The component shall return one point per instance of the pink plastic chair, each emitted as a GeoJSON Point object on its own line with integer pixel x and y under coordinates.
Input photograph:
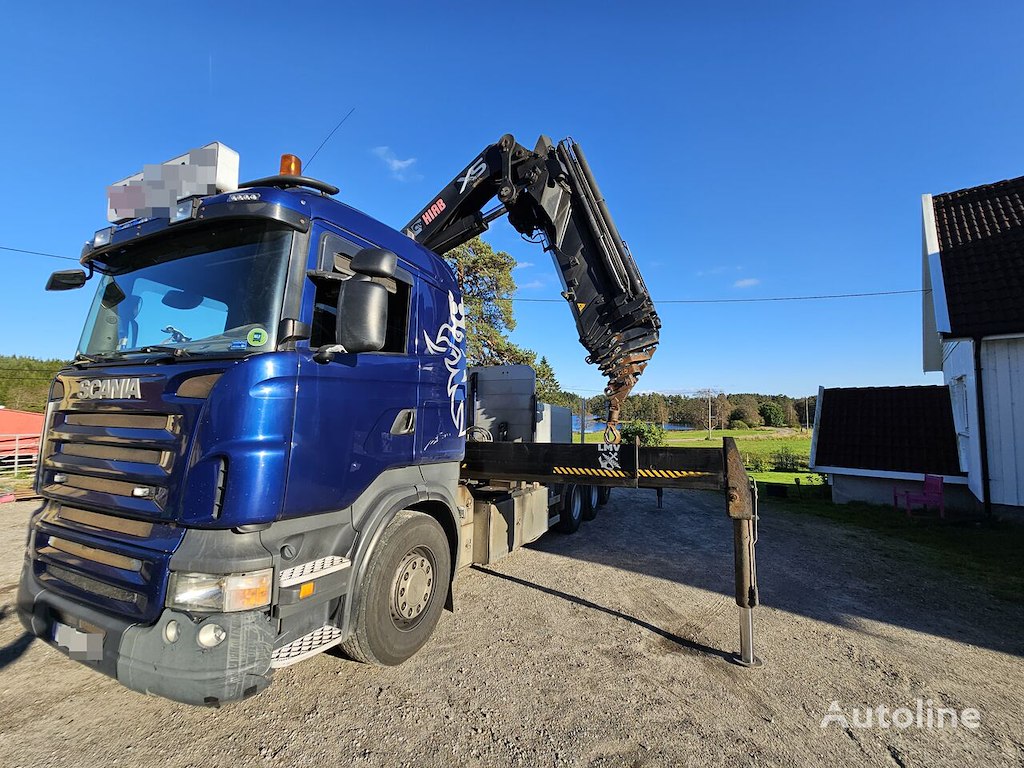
{"type": "Point", "coordinates": [930, 495]}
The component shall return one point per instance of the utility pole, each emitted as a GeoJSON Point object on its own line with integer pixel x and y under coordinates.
{"type": "Point", "coordinates": [583, 419]}
{"type": "Point", "coordinates": [709, 393]}
{"type": "Point", "coordinates": [807, 419]}
{"type": "Point", "coordinates": [710, 425]}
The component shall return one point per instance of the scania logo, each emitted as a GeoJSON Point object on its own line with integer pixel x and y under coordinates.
{"type": "Point", "coordinates": [110, 389]}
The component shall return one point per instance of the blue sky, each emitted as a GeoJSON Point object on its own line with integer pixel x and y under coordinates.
{"type": "Point", "coordinates": [754, 150]}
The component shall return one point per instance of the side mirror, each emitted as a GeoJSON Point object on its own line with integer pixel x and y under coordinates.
{"type": "Point", "coordinates": [374, 262]}
{"type": "Point", "coordinates": [66, 280]}
{"type": "Point", "coordinates": [362, 321]}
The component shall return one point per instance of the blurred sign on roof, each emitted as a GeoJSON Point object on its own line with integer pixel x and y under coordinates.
{"type": "Point", "coordinates": [156, 191]}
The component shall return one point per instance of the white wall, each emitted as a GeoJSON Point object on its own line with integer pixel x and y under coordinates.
{"type": "Point", "coordinates": [1002, 373]}
{"type": "Point", "coordinates": [1002, 370]}
{"type": "Point", "coordinates": [958, 373]}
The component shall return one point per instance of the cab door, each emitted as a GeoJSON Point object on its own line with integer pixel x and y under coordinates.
{"type": "Point", "coordinates": [355, 416]}
{"type": "Point", "coordinates": [441, 429]}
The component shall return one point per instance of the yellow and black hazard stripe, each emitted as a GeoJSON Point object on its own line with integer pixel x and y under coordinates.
{"type": "Point", "coordinates": [665, 474]}
{"type": "Point", "coordinates": [671, 474]}
{"type": "Point", "coordinates": [590, 472]}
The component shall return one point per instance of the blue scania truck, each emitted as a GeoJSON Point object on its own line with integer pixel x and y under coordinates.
{"type": "Point", "coordinates": [260, 452]}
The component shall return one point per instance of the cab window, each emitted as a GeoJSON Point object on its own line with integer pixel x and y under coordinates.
{"type": "Point", "coordinates": [336, 256]}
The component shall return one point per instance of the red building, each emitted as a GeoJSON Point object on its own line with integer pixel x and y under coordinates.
{"type": "Point", "coordinates": [19, 431]}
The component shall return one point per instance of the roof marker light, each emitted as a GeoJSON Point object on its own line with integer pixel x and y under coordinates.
{"type": "Point", "coordinates": [291, 165]}
{"type": "Point", "coordinates": [184, 210]}
{"type": "Point", "coordinates": [102, 237]}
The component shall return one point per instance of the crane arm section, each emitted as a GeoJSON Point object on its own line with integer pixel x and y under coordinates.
{"type": "Point", "coordinates": [550, 191]}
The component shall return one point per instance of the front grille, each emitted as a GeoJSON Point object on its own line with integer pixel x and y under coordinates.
{"type": "Point", "coordinates": [99, 521]}
{"type": "Point", "coordinates": [107, 533]}
{"type": "Point", "coordinates": [114, 453]}
{"type": "Point", "coordinates": [85, 552]}
{"type": "Point", "coordinates": [118, 420]}
{"type": "Point", "coordinates": [117, 460]}
{"type": "Point", "coordinates": [90, 585]}
{"type": "Point", "coordinates": [117, 565]}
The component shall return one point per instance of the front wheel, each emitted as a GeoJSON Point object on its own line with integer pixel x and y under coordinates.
{"type": "Point", "coordinates": [400, 599]}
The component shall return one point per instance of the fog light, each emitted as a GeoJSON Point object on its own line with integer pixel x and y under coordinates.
{"type": "Point", "coordinates": [60, 477]}
{"type": "Point", "coordinates": [142, 492]}
{"type": "Point", "coordinates": [172, 631]}
{"type": "Point", "coordinates": [211, 635]}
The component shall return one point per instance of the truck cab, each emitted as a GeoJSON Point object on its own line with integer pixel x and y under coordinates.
{"type": "Point", "coordinates": [267, 378]}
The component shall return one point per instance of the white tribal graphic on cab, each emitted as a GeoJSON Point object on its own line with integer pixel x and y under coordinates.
{"type": "Point", "coordinates": [448, 342]}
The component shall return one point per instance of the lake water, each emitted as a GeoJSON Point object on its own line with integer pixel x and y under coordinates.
{"type": "Point", "coordinates": [599, 426]}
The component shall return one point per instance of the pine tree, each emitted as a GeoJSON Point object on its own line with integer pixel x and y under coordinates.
{"type": "Point", "coordinates": [485, 276]}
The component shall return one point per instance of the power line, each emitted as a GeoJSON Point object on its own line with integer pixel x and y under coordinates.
{"type": "Point", "coordinates": [37, 253]}
{"type": "Point", "coordinates": [523, 299]}
{"type": "Point", "coordinates": [740, 301]}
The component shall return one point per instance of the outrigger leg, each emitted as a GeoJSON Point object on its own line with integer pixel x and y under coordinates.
{"type": "Point", "coordinates": [741, 506]}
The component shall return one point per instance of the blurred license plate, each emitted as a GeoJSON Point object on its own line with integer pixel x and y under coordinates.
{"type": "Point", "coordinates": [84, 646]}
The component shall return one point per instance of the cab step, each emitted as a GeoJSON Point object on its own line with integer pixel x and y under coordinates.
{"type": "Point", "coordinates": [314, 569]}
{"type": "Point", "coordinates": [317, 641]}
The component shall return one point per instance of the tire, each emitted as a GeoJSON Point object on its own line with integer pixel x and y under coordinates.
{"type": "Point", "coordinates": [387, 627]}
{"type": "Point", "coordinates": [572, 509]}
{"type": "Point", "coordinates": [591, 501]}
{"type": "Point", "coordinates": [604, 493]}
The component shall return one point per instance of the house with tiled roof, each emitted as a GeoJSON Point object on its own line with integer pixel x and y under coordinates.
{"type": "Point", "coordinates": [973, 329]}
{"type": "Point", "coordinates": [875, 443]}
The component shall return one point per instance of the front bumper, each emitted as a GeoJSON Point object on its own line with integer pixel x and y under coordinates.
{"type": "Point", "coordinates": [140, 658]}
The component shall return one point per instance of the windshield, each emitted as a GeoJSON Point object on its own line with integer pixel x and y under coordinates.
{"type": "Point", "coordinates": [216, 289]}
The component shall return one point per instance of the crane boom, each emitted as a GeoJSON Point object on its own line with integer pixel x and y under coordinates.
{"type": "Point", "coordinates": [551, 191]}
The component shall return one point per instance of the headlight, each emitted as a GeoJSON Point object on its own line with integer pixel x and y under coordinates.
{"type": "Point", "coordinates": [221, 593]}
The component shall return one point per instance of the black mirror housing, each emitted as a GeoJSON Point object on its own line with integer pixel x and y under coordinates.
{"type": "Point", "coordinates": [362, 322]}
{"type": "Point", "coordinates": [181, 300]}
{"type": "Point", "coordinates": [66, 280]}
{"type": "Point", "coordinates": [374, 262]}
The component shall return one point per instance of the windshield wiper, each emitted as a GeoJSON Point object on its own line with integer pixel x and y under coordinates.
{"type": "Point", "coordinates": [81, 357]}
{"type": "Point", "coordinates": [175, 351]}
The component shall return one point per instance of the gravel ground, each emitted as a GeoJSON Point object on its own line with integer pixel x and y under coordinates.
{"type": "Point", "coordinates": [606, 648]}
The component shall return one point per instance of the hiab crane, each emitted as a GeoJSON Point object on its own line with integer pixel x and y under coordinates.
{"type": "Point", "coordinates": [260, 450]}
{"type": "Point", "coordinates": [550, 191]}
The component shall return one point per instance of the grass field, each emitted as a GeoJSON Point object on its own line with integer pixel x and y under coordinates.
{"type": "Point", "coordinates": [761, 443]}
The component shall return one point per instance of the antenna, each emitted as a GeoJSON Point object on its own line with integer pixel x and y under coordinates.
{"type": "Point", "coordinates": [346, 117]}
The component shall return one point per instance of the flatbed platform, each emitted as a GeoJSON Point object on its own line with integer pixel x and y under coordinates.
{"type": "Point", "coordinates": [622, 466]}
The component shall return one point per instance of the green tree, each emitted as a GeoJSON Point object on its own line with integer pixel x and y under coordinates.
{"type": "Point", "coordinates": [723, 411]}
{"type": "Point", "coordinates": [746, 409]}
{"type": "Point", "coordinates": [647, 433]}
{"type": "Point", "coordinates": [25, 382]}
{"type": "Point", "coordinates": [772, 414]}
{"type": "Point", "coordinates": [485, 276]}
{"type": "Point", "coordinates": [548, 388]}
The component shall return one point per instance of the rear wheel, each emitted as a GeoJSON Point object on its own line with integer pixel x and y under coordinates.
{"type": "Point", "coordinates": [572, 509]}
{"type": "Point", "coordinates": [400, 599]}
{"type": "Point", "coordinates": [603, 494]}
{"type": "Point", "coordinates": [591, 501]}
